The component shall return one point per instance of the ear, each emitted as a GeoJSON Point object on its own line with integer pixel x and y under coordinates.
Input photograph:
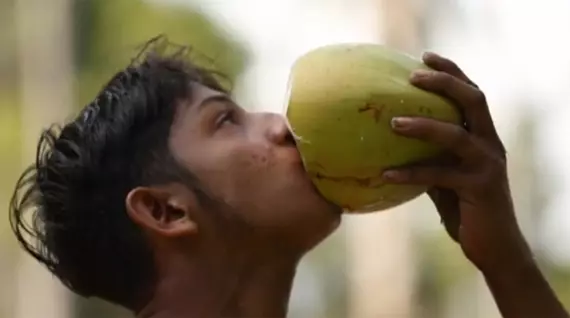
{"type": "Point", "coordinates": [165, 211]}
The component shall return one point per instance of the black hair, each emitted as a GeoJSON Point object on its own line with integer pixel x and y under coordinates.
{"type": "Point", "coordinates": [68, 208]}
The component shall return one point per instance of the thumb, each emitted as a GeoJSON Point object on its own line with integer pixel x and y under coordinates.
{"type": "Point", "coordinates": [447, 205]}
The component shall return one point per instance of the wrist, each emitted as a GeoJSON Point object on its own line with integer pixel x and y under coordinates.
{"type": "Point", "coordinates": [523, 291]}
{"type": "Point", "coordinates": [510, 256]}
{"type": "Point", "coordinates": [517, 271]}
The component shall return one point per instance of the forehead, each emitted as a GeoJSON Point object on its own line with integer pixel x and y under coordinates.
{"type": "Point", "coordinates": [189, 112]}
{"type": "Point", "coordinates": [200, 97]}
{"type": "Point", "coordinates": [200, 94]}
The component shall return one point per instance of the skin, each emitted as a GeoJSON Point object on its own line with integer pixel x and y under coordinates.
{"type": "Point", "coordinates": [472, 195]}
{"type": "Point", "coordinates": [233, 252]}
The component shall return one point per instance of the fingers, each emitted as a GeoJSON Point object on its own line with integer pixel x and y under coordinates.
{"type": "Point", "coordinates": [439, 63]}
{"type": "Point", "coordinates": [449, 81]}
{"type": "Point", "coordinates": [470, 100]}
{"type": "Point", "coordinates": [449, 136]}
{"type": "Point", "coordinates": [432, 176]}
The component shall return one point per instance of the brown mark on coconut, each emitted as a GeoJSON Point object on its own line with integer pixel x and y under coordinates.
{"type": "Point", "coordinates": [373, 109]}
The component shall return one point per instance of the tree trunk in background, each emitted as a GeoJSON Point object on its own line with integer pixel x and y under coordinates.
{"type": "Point", "coordinates": [46, 72]}
{"type": "Point", "coordinates": [379, 245]}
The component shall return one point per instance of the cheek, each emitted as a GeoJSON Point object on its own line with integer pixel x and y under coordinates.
{"type": "Point", "coordinates": [249, 158]}
{"type": "Point", "coordinates": [237, 172]}
{"type": "Point", "coordinates": [248, 166]}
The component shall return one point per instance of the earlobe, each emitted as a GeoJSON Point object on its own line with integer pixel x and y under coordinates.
{"type": "Point", "coordinates": [161, 211]}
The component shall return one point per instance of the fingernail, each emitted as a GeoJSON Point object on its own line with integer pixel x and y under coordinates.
{"type": "Point", "coordinates": [392, 175]}
{"type": "Point", "coordinates": [417, 74]}
{"type": "Point", "coordinates": [428, 55]}
{"type": "Point", "coordinates": [400, 122]}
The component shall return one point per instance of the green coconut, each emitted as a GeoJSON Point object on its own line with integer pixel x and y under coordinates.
{"type": "Point", "coordinates": [341, 99]}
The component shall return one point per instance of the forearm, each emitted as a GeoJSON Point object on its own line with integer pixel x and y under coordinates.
{"type": "Point", "coordinates": [524, 293]}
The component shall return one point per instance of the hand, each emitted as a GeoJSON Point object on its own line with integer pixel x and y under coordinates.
{"type": "Point", "coordinates": [472, 194]}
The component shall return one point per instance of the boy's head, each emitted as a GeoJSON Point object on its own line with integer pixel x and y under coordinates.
{"type": "Point", "coordinates": [162, 163]}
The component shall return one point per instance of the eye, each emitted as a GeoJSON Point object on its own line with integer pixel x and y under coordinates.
{"type": "Point", "coordinates": [228, 116]}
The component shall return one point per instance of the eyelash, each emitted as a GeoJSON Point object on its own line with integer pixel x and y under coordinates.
{"type": "Point", "coordinates": [225, 116]}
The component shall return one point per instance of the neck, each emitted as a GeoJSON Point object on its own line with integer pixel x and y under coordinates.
{"type": "Point", "coordinates": [257, 287]}
{"type": "Point", "coordinates": [262, 292]}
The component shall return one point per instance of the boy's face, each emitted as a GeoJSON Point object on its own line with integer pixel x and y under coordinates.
{"type": "Point", "coordinates": [249, 162]}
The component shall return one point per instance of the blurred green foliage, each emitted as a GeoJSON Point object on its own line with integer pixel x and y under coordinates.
{"type": "Point", "coordinates": [109, 34]}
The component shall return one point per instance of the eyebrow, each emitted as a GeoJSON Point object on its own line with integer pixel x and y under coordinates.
{"type": "Point", "coordinates": [214, 98]}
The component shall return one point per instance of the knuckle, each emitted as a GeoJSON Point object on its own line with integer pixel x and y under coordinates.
{"type": "Point", "coordinates": [421, 175]}
{"type": "Point", "coordinates": [493, 171]}
{"type": "Point", "coordinates": [479, 97]}
{"type": "Point", "coordinates": [496, 149]}
{"type": "Point", "coordinates": [502, 150]}
{"type": "Point", "coordinates": [470, 82]}
{"type": "Point", "coordinates": [461, 137]}
{"type": "Point", "coordinates": [420, 127]}
{"type": "Point", "coordinates": [405, 175]}
{"type": "Point", "coordinates": [412, 174]}
{"type": "Point", "coordinates": [451, 65]}
{"type": "Point", "coordinates": [497, 168]}
{"type": "Point", "coordinates": [443, 78]}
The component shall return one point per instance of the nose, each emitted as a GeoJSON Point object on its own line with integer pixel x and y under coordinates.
{"type": "Point", "coordinates": [277, 130]}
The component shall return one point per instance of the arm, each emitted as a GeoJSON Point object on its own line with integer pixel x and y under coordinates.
{"type": "Point", "coordinates": [524, 292]}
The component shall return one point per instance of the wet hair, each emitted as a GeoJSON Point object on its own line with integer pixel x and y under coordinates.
{"type": "Point", "coordinates": [68, 208]}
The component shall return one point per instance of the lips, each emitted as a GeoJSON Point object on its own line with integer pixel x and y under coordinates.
{"type": "Point", "coordinates": [295, 156]}
{"type": "Point", "coordinates": [290, 139]}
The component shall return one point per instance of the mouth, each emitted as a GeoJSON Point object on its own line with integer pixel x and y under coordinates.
{"type": "Point", "coordinates": [291, 143]}
{"type": "Point", "coordinates": [290, 139]}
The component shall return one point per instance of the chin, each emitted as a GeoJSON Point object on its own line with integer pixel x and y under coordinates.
{"type": "Point", "coordinates": [312, 217]}
{"type": "Point", "coordinates": [325, 206]}
{"type": "Point", "coordinates": [325, 218]}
